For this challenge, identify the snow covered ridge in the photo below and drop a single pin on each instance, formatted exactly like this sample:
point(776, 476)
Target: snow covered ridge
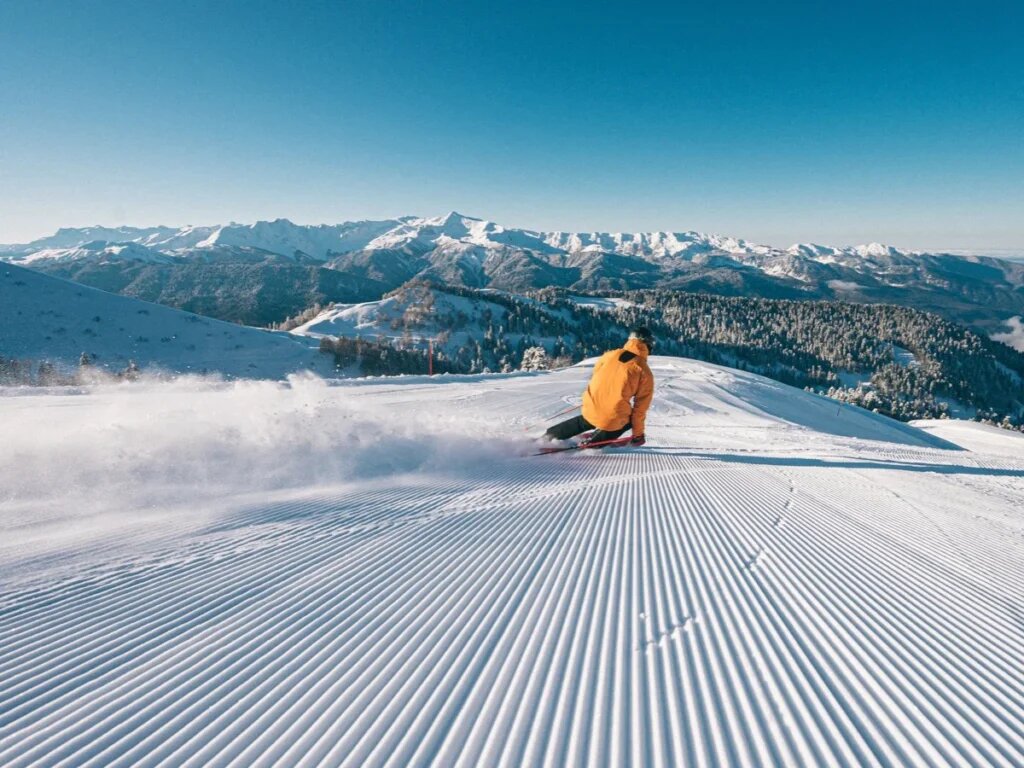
point(98, 251)
point(280, 236)
point(372, 574)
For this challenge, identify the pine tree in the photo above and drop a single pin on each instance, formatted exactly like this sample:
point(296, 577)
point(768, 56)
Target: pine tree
point(534, 359)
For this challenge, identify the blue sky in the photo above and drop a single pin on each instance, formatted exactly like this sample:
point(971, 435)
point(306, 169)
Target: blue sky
point(827, 122)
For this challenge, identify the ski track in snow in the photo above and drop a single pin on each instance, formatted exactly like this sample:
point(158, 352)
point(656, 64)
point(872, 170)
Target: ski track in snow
point(748, 590)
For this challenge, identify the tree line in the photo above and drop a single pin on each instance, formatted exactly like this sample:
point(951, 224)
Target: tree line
point(15, 372)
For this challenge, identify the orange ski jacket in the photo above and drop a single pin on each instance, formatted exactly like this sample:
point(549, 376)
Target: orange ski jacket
point(620, 376)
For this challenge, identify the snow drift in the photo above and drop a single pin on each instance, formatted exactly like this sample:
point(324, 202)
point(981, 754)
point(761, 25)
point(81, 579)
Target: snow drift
point(99, 459)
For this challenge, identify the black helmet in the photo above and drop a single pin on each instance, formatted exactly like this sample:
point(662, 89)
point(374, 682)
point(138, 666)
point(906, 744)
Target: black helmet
point(643, 334)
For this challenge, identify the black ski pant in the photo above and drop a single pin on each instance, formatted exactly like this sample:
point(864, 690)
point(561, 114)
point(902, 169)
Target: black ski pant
point(577, 424)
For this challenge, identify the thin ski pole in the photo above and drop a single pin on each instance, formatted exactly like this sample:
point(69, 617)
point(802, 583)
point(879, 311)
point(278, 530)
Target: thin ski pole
point(571, 408)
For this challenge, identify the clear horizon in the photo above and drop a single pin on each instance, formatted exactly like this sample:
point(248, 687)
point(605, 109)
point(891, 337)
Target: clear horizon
point(818, 124)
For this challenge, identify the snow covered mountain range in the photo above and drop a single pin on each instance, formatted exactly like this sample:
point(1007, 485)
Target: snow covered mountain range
point(374, 257)
point(452, 237)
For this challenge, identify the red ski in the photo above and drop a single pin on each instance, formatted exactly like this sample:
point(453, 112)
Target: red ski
point(618, 441)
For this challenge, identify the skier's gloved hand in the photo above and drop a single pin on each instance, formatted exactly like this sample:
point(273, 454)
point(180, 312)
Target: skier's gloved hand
point(638, 440)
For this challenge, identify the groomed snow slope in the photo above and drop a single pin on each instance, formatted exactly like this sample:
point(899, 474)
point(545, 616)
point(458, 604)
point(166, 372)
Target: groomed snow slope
point(975, 436)
point(362, 573)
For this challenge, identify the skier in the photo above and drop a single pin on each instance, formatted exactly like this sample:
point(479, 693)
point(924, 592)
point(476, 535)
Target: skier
point(619, 376)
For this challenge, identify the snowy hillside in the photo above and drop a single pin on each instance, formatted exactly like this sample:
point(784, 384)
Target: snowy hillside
point(411, 316)
point(372, 573)
point(46, 318)
point(390, 316)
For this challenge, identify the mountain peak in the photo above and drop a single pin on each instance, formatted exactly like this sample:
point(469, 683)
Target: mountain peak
point(876, 249)
point(450, 218)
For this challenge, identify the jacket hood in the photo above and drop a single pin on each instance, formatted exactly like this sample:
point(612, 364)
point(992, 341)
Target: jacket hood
point(637, 347)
